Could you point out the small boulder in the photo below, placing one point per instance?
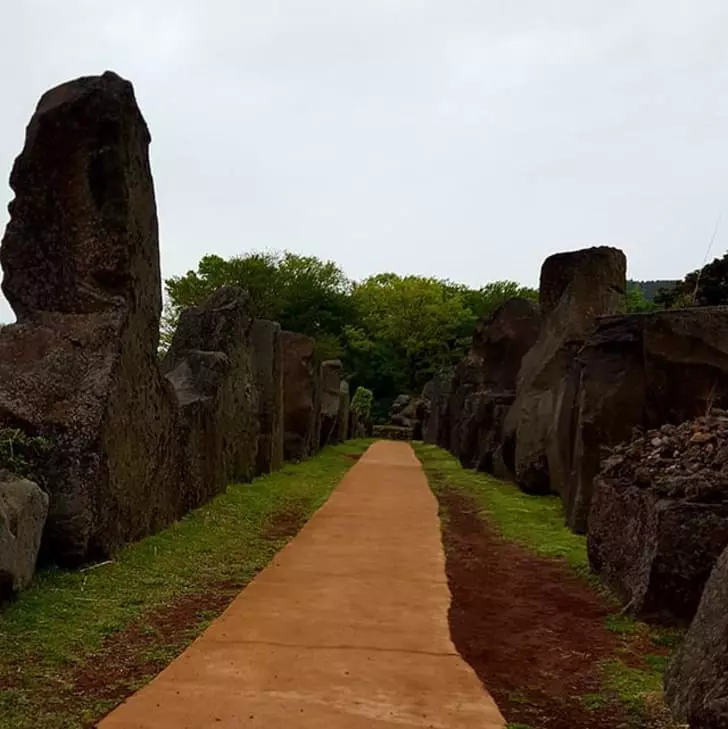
(23, 512)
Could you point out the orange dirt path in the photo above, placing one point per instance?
(347, 627)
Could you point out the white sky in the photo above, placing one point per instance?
(465, 139)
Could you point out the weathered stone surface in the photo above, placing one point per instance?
(642, 370)
(330, 401)
(481, 429)
(81, 262)
(576, 288)
(210, 366)
(502, 339)
(267, 354)
(696, 680)
(437, 429)
(659, 516)
(344, 411)
(23, 511)
(499, 344)
(301, 399)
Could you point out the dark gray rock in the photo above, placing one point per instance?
(696, 680)
(344, 411)
(475, 416)
(267, 353)
(301, 396)
(211, 368)
(81, 262)
(330, 401)
(642, 370)
(23, 511)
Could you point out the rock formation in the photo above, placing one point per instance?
(330, 401)
(267, 353)
(659, 517)
(81, 262)
(301, 400)
(575, 289)
(344, 412)
(641, 370)
(484, 382)
(23, 510)
(696, 680)
(210, 366)
(437, 428)
(131, 450)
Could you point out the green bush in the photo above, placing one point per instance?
(361, 403)
(21, 453)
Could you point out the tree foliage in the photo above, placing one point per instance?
(706, 287)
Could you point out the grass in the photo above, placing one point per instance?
(61, 622)
(537, 523)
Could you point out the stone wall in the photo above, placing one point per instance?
(268, 358)
(330, 401)
(301, 399)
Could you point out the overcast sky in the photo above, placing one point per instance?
(465, 139)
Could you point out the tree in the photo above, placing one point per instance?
(708, 287)
(635, 301)
(303, 293)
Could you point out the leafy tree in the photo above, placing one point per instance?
(488, 298)
(303, 293)
(635, 301)
(708, 287)
(417, 322)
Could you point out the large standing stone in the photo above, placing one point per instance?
(330, 401)
(210, 365)
(23, 510)
(696, 680)
(344, 410)
(575, 289)
(81, 262)
(300, 396)
(266, 342)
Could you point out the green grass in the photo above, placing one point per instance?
(63, 619)
(537, 523)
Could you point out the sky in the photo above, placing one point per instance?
(466, 139)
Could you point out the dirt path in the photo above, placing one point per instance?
(346, 628)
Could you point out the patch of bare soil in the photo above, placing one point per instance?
(286, 524)
(532, 630)
(136, 654)
(133, 656)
